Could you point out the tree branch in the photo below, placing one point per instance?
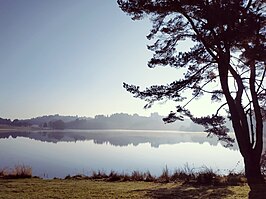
(217, 112)
(196, 94)
(261, 81)
(258, 116)
(207, 47)
(239, 84)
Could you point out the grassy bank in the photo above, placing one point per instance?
(73, 188)
(183, 183)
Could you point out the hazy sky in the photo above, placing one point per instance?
(71, 58)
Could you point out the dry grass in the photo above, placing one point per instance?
(72, 188)
(205, 176)
(19, 171)
(187, 175)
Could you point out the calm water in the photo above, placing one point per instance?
(59, 153)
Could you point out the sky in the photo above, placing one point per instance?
(71, 58)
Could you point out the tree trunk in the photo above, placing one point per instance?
(257, 192)
(251, 154)
(252, 169)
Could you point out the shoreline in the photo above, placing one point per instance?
(7, 128)
(186, 174)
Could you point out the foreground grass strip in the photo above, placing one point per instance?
(43, 189)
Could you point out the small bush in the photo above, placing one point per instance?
(181, 175)
(113, 176)
(68, 177)
(3, 172)
(77, 177)
(19, 171)
(185, 174)
(99, 175)
(126, 177)
(148, 177)
(206, 177)
(165, 176)
(22, 171)
(235, 179)
(137, 176)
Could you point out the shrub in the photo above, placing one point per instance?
(99, 175)
(68, 177)
(148, 177)
(113, 176)
(3, 172)
(19, 171)
(165, 177)
(235, 179)
(137, 176)
(185, 173)
(206, 177)
(22, 171)
(126, 177)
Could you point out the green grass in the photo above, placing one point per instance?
(71, 188)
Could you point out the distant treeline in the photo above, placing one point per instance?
(114, 121)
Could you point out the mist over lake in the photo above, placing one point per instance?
(57, 153)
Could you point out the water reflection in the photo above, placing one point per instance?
(116, 137)
(59, 153)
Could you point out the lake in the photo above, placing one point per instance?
(60, 153)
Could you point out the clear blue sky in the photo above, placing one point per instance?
(71, 58)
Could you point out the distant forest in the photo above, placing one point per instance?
(114, 121)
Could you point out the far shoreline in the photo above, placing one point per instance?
(8, 128)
